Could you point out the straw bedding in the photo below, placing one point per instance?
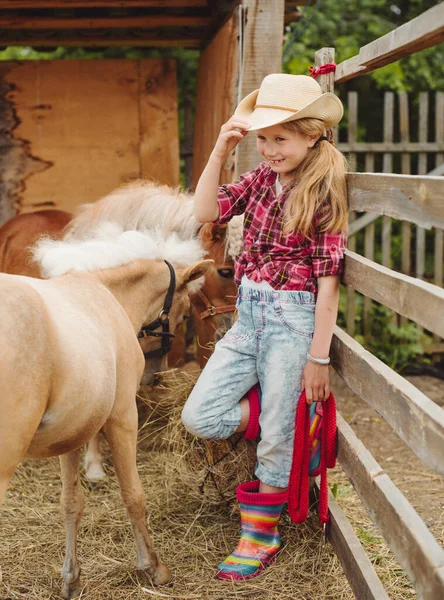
(189, 489)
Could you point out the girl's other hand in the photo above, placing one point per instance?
(316, 382)
(230, 135)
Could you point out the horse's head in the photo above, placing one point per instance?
(213, 305)
(173, 304)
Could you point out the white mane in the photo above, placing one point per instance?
(110, 247)
(138, 206)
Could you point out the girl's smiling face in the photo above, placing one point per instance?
(284, 150)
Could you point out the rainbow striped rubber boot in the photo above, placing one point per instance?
(260, 540)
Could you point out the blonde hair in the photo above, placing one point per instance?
(319, 187)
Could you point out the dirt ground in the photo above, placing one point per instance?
(192, 537)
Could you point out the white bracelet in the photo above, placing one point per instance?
(319, 361)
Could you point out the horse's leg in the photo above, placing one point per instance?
(72, 506)
(93, 459)
(121, 432)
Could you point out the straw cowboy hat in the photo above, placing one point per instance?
(284, 97)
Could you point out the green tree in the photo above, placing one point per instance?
(347, 26)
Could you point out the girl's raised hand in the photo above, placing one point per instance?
(230, 135)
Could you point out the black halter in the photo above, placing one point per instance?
(163, 320)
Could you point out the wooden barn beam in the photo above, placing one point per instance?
(94, 42)
(405, 532)
(12, 4)
(422, 32)
(262, 55)
(159, 144)
(150, 21)
(417, 420)
(217, 80)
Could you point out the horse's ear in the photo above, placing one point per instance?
(218, 232)
(197, 270)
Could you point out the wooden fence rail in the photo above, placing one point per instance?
(418, 202)
(423, 32)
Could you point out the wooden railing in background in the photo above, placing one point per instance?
(366, 157)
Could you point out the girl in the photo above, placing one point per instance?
(296, 213)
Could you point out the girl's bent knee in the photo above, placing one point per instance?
(192, 423)
(214, 427)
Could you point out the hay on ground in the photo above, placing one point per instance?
(211, 469)
(190, 534)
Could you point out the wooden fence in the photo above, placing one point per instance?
(419, 201)
(421, 157)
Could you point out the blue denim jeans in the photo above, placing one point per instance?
(267, 344)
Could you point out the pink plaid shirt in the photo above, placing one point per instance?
(285, 261)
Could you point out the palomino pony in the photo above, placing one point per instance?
(84, 366)
(138, 206)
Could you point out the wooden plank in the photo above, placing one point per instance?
(424, 31)
(352, 129)
(361, 223)
(82, 118)
(439, 128)
(369, 249)
(18, 163)
(404, 131)
(358, 569)
(439, 170)
(351, 296)
(352, 98)
(439, 258)
(391, 147)
(348, 69)
(218, 69)
(123, 22)
(406, 248)
(262, 54)
(438, 266)
(420, 241)
(322, 57)
(369, 252)
(369, 162)
(439, 162)
(11, 4)
(411, 198)
(415, 418)
(417, 300)
(159, 126)
(407, 535)
(154, 41)
(387, 167)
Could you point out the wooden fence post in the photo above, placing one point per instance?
(352, 137)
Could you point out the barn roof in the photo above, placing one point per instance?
(98, 23)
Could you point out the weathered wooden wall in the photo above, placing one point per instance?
(73, 130)
(217, 83)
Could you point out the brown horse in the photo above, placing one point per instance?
(84, 367)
